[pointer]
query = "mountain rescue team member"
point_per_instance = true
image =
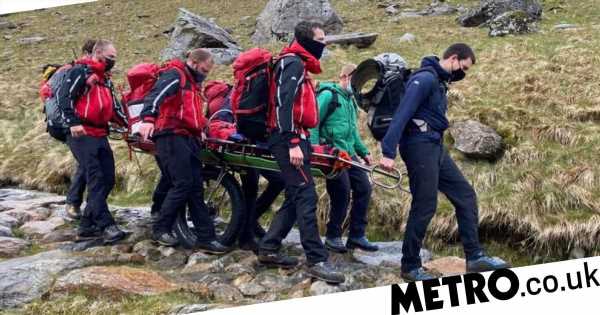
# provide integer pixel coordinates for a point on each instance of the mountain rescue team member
(338, 114)
(88, 102)
(293, 113)
(77, 187)
(173, 116)
(417, 131)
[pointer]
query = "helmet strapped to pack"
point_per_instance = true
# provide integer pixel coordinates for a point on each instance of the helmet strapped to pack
(389, 72)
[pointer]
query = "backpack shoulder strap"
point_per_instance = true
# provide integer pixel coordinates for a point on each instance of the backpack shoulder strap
(332, 106)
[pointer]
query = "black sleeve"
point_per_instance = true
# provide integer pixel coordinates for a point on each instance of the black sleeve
(289, 75)
(68, 93)
(117, 105)
(168, 84)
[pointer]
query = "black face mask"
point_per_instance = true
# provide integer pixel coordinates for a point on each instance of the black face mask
(108, 64)
(457, 75)
(198, 76)
(314, 47)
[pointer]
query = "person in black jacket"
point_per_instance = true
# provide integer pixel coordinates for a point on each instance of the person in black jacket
(295, 111)
(174, 108)
(417, 131)
(88, 102)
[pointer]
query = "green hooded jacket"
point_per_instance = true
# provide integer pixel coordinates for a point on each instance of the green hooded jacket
(340, 129)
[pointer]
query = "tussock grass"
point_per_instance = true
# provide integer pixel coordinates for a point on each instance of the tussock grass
(539, 91)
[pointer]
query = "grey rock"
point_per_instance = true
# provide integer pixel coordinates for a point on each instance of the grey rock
(476, 140)
(225, 292)
(31, 40)
(490, 9)
(273, 282)
(321, 287)
(40, 228)
(564, 26)
(194, 31)
(389, 254)
(407, 37)
(5, 231)
(147, 250)
(279, 17)
(12, 246)
(8, 221)
(7, 25)
(188, 309)
(174, 261)
(251, 289)
(198, 258)
(391, 10)
(27, 278)
(59, 236)
(514, 22)
(358, 39)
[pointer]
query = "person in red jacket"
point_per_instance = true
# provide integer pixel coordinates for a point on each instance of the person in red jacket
(293, 112)
(173, 117)
(87, 101)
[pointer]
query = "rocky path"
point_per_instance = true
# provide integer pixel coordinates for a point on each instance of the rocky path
(39, 259)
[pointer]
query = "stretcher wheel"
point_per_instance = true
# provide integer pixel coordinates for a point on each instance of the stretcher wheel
(224, 201)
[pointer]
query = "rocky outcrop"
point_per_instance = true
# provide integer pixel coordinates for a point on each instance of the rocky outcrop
(360, 40)
(113, 281)
(490, 9)
(12, 246)
(193, 31)
(513, 22)
(279, 17)
(476, 140)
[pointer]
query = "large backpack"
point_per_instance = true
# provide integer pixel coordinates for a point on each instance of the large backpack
(221, 122)
(141, 79)
(53, 77)
(380, 102)
(250, 99)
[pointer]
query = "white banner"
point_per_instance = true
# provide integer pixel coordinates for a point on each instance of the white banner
(13, 6)
(568, 287)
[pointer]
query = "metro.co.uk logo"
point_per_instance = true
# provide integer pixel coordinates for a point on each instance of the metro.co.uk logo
(468, 289)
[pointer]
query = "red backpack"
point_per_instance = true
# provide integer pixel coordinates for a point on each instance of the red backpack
(141, 79)
(221, 122)
(250, 99)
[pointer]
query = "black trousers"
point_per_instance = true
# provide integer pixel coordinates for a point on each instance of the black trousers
(180, 162)
(352, 181)
(161, 189)
(430, 168)
(77, 188)
(96, 158)
(256, 207)
(300, 205)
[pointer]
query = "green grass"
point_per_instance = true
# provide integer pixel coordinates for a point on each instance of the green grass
(538, 91)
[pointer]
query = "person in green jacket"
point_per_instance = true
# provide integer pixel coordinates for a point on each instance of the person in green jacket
(338, 115)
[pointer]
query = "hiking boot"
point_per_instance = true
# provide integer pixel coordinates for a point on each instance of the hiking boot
(326, 272)
(361, 243)
(249, 246)
(417, 274)
(85, 233)
(166, 239)
(213, 247)
(335, 245)
(277, 260)
(486, 263)
(259, 231)
(73, 211)
(113, 234)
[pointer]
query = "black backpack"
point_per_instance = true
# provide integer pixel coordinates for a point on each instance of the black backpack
(54, 76)
(382, 100)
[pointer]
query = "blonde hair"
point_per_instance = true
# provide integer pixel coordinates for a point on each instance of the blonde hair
(347, 69)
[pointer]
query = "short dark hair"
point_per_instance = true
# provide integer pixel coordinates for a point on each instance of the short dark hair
(305, 29)
(88, 46)
(462, 50)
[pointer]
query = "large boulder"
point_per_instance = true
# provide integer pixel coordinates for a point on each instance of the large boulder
(490, 9)
(279, 17)
(193, 31)
(358, 39)
(476, 140)
(513, 22)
